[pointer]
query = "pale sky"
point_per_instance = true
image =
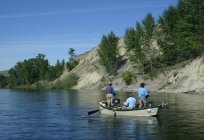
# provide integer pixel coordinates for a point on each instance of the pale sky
(51, 27)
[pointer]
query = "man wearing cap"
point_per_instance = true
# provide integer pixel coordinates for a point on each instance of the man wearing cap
(142, 94)
(129, 103)
(110, 92)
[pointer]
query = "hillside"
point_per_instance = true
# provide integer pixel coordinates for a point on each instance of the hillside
(188, 77)
(185, 77)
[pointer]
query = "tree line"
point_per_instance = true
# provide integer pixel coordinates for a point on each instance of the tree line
(36, 69)
(178, 35)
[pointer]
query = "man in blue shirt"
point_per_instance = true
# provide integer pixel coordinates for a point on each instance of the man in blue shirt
(129, 103)
(110, 92)
(142, 94)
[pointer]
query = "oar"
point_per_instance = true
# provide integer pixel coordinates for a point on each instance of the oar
(91, 112)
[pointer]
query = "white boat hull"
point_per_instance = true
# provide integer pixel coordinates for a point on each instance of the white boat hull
(133, 112)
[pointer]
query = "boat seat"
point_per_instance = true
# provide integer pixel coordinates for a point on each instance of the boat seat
(116, 102)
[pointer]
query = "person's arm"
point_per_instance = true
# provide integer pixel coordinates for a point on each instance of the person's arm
(146, 92)
(113, 91)
(126, 103)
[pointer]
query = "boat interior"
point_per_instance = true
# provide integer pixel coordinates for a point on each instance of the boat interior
(117, 106)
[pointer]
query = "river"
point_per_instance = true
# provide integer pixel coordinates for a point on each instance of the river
(62, 114)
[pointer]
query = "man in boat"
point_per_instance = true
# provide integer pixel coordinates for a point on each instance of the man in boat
(110, 92)
(129, 103)
(143, 95)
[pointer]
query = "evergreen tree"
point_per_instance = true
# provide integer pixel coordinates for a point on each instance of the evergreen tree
(108, 52)
(73, 62)
(133, 41)
(139, 42)
(182, 29)
(71, 53)
(3, 81)
(148, 24)
(166, 36)
(43, 65)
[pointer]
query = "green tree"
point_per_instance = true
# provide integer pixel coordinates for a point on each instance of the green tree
(166, 40)
(139, 42)
(29, 71)
(52, 73)
(12, 82)
(42, 65)
(189, 27)
(59, 66)
(182, 27)
(133, 41)
(148, 24)
(73, 62)
(130, 39)
(3, 81)
(108, 52)
(71, 53)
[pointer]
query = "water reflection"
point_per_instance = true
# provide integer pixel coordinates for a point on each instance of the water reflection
(62, 114)
(124, 127)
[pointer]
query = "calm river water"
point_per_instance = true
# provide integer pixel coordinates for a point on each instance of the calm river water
(62, 114)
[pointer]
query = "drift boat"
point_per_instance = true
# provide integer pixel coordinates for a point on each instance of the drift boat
(119, 111)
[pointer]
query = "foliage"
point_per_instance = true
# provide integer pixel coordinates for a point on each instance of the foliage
(138, 42)
(179, 34)
(33, 70)
(55, 71)
(71, 52)
(70, 81)
(40, 85)
(133, 41)
(67, 83)
(3, 81)
(108, 52)
(148, 24)
(60, 67)
(127, 77)
(29, 71)
(182, 29)
(57, 85)
(72, 63)
(152, 74)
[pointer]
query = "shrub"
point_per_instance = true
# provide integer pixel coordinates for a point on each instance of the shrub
(70, 81)
(72, 64)
(152, 74)
(57, 85)
(127, 77)
(40, 85)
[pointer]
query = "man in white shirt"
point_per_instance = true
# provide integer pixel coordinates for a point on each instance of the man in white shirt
(129, 103)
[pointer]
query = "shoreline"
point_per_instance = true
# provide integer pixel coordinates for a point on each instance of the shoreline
(133, 89)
